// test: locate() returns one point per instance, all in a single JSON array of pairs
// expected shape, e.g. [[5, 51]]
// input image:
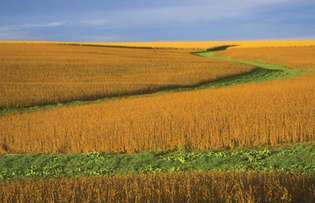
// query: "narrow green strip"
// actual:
[[262, 72], [295, 158]]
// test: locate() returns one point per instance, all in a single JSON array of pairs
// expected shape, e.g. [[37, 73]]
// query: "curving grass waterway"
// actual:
[[262, 72]]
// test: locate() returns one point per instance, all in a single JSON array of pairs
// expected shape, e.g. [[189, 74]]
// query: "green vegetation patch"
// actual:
[[296, 158]]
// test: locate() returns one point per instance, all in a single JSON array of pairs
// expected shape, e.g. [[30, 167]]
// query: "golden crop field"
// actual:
[[143, 101], [34, 74], [182, 187], [248, 115], [268, 113]]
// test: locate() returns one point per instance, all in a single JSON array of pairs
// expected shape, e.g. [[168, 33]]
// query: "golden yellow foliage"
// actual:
[[33, 74], [182, 187], [184, 45], [249, 115], [205, 45], [269, 113]]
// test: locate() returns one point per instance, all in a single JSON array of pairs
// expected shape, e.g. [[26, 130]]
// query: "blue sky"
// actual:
[[156, 20]]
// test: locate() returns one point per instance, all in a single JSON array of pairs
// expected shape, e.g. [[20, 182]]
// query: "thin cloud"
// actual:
[[95, 22], [10, 28]]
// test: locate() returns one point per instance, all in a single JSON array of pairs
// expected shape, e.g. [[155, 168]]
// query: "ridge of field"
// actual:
[[269, 113], [205, 45], [283, 158], [175, 187], [182, 45], [36, 74], [261, 72]]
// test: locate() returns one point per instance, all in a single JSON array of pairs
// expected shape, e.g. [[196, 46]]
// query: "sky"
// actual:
[[156, 20]]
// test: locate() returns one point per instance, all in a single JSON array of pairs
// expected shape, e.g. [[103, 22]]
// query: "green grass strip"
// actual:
[[294, 158], [262, 72]]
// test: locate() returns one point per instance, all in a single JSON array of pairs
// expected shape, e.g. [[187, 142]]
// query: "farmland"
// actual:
[[166, 118], [46, 74]]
